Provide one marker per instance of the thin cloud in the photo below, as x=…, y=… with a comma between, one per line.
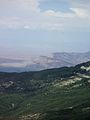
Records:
x=26, y=14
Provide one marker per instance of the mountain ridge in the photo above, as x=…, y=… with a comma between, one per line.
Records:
x=56, y=60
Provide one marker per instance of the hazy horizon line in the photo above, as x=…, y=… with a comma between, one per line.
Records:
x=40, y=55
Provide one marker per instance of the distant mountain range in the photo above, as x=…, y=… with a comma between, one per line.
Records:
x=56, y=60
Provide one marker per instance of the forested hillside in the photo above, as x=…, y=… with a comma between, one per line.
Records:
x=53, y=94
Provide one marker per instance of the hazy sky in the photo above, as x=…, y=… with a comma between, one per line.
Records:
x=35, y=27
